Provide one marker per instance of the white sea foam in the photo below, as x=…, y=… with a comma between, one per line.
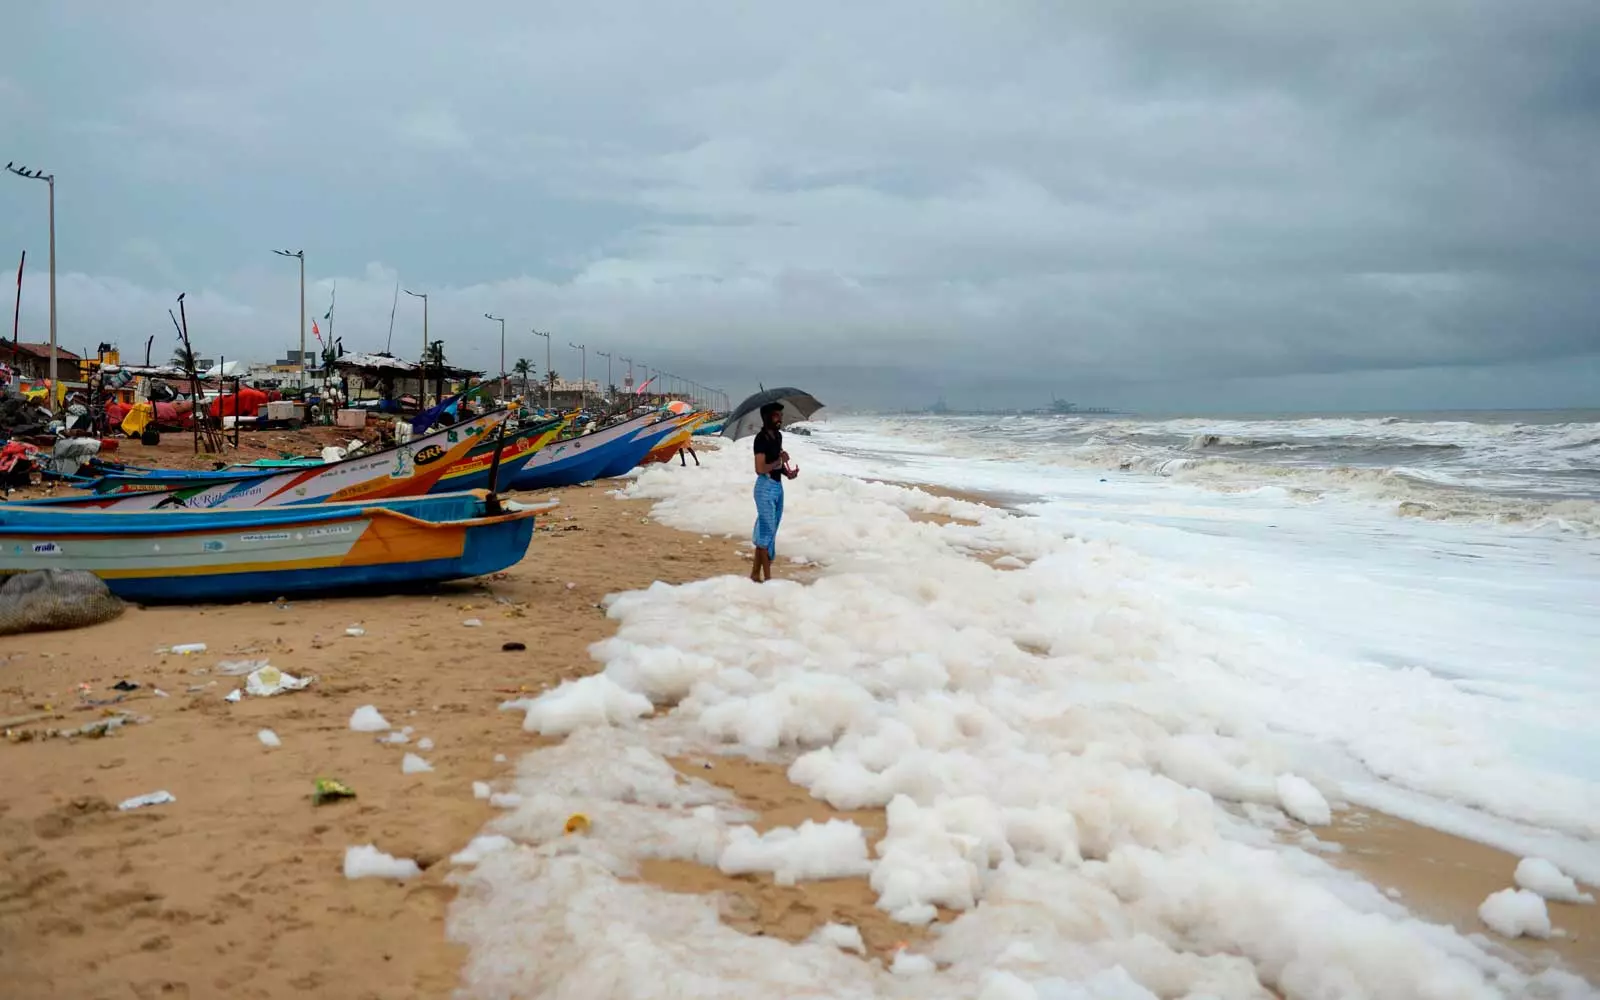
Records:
x=1070, y=755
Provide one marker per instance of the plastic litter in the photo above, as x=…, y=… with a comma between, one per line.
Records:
x=269, y=738
x=186, y=648
x=473, y=623
x=577, y=823
x=513, y=647
x=326, y=790
x=124, y=686
x=269, y=680
x=238, y=668
x=150, y=799
x=425, y=744
x=355, y=630
x=235, y=695
x=367, y=719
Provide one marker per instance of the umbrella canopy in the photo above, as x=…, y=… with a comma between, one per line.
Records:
x=679, y=406
x=745, y=419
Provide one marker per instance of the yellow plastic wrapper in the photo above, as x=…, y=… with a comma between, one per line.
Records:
x=577, y=823
x=329, y=790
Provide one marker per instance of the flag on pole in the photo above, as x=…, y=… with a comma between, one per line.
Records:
x=315, y=331
x=644, y=385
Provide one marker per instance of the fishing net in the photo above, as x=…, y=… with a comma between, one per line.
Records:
x=55, y=599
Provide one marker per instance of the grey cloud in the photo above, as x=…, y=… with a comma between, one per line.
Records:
x=899, y=195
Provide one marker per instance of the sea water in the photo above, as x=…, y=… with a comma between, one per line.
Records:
x=1099, y=722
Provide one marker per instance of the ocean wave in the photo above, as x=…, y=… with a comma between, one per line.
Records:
x=1539, y=476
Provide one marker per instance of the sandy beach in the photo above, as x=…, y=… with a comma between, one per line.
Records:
x=236, y=889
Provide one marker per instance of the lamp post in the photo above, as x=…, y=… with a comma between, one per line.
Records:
x=607, y=356
x=583, y=376
x=501, y=320
x=301, y=256
x=549, y=383
x=50, y=180
x=628, y=380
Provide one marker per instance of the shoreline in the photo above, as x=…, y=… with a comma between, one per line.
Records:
x=237, y=886
x=1439, y=876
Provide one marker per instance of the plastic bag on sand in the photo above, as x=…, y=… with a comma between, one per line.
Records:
x=151, y=799
x=269, y=680
x=330, y=790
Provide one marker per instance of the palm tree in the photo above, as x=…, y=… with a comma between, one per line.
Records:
x=434, y=358
x=551, y=377
x=183, y=357
x=522, y=369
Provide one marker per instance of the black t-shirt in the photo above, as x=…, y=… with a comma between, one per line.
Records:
x=769, y=445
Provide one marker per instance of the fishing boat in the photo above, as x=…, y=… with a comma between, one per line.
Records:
x=642, y=444
x=672, y=443
x=580, y=459
x=405, y=470
x=706, y=430
x=475, y=471
x=223, y=555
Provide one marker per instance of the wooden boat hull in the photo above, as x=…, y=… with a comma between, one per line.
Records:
x=209, y=556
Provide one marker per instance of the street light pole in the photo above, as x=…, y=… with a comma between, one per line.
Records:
x=549, y=383
x=583, y=377
x=301, y=255
x=50, y=181
x=422, y=360
x=501, y=320
x=607, y=356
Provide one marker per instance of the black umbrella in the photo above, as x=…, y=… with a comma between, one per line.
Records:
x=745, y=419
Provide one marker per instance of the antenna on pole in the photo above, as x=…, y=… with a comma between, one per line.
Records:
x=392, y=306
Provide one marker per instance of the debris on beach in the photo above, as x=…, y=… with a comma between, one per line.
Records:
x=267, y=680
x=481, y=790
x=367, y=719
x=53, y=599
x=577, y=824
x=325, y=790
x=269, y=738
x=237, y=694
x=473, y=623
x=148, y=799
x=184, y=649
x=239, y=668
x=425, y=744
x=412, y=764
x=513, y=647
x=367, y=861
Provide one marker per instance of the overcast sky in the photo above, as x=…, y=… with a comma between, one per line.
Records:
x=1163, y=204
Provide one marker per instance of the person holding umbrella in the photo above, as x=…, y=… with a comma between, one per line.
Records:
x=772, y=467
x=764, y=415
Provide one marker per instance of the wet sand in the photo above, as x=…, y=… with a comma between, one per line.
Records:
x=236, y=888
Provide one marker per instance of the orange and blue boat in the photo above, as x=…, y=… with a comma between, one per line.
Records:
x=195, y=556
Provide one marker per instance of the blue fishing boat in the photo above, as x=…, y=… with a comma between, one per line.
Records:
x=579, y=459
x=641, y=444
x=225, y=555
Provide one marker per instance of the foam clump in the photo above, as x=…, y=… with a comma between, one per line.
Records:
x=1515, y=913
x=367, y=719
x=595, y=700
x=269, y=738
x=481, y=790
x=835, y=849
x=1301, y=800
x=367, y=861
x=842, y=936
x=1540, y=876
x=481, y=847
x=412, y=764
x=908, y=963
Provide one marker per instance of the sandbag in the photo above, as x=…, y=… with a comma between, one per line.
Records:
x=47, y=599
